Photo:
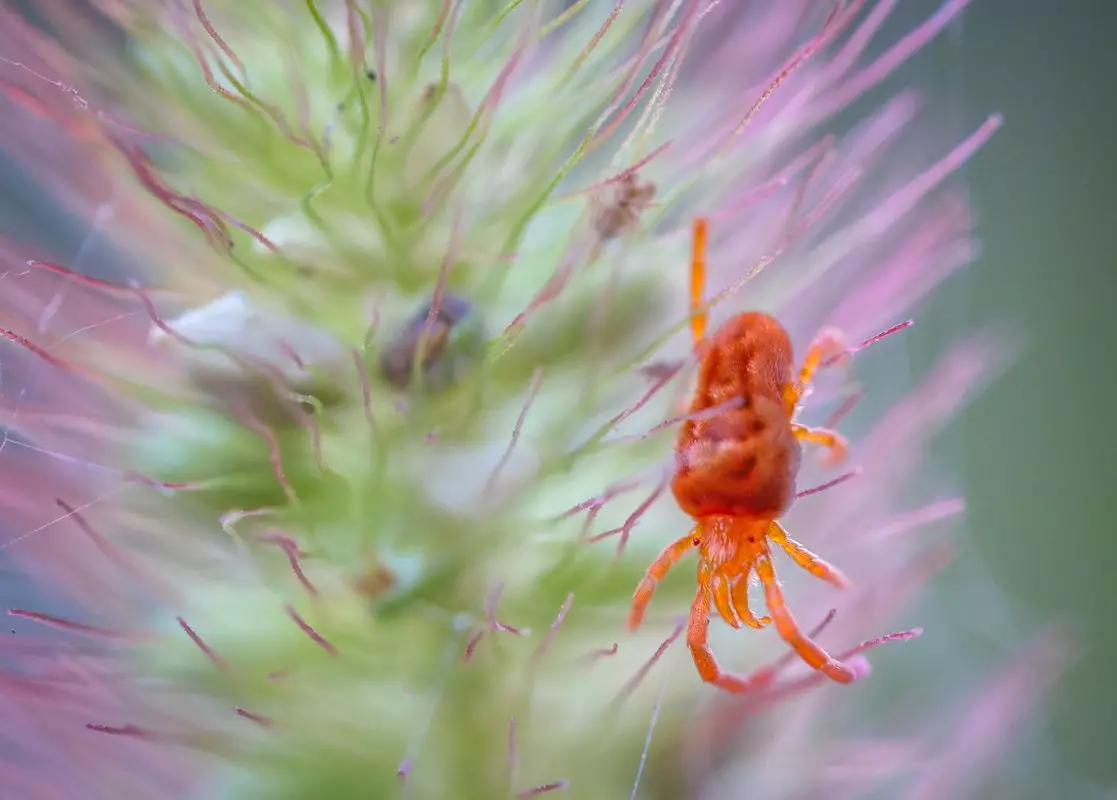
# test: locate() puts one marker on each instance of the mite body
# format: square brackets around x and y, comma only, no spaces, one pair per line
[737,460]
[744,460]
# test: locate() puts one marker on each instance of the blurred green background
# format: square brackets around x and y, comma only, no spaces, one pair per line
[1038,451]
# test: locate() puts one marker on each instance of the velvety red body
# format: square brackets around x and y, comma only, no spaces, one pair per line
[742,461]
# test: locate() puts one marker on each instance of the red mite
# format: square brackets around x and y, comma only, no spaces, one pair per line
[736,475]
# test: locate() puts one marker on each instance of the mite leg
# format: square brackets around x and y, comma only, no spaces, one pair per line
[697,279]
[741,603]
[827,345]
[823,437]
[806,559]
[696,638]
[789,631]
[723,599]
[656,572]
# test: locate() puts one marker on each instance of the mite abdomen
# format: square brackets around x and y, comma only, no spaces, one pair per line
[750,355]
[742,462]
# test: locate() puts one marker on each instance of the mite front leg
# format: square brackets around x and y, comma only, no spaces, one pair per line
[656,572]
[823,437]
[789,631]
[723,599]
[806,559]
[741,603]
[697,640]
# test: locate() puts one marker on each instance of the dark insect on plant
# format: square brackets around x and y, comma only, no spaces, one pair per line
[621,212]
[438,343]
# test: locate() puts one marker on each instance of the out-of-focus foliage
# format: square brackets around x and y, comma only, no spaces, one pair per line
[316,572]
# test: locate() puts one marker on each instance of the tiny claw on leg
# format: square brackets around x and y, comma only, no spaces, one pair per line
[834,442]
[656,572]
[789,631]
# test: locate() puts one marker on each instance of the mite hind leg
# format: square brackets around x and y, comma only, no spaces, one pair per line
[827,345]
[833,441]
[698,318]
[656,572]
[789,630]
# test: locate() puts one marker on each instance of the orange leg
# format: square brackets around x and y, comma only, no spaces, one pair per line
[723,599]
[823,437]
[696,639]
[828,344]
[697,280]
[741,603]
[656,572]
[789,631]
[739,571]
[806,559]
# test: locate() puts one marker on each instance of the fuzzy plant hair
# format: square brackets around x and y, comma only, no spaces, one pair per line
[339,445]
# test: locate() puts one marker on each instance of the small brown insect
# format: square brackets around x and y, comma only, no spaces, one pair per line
[450,341]
[621,213]
[374,581]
